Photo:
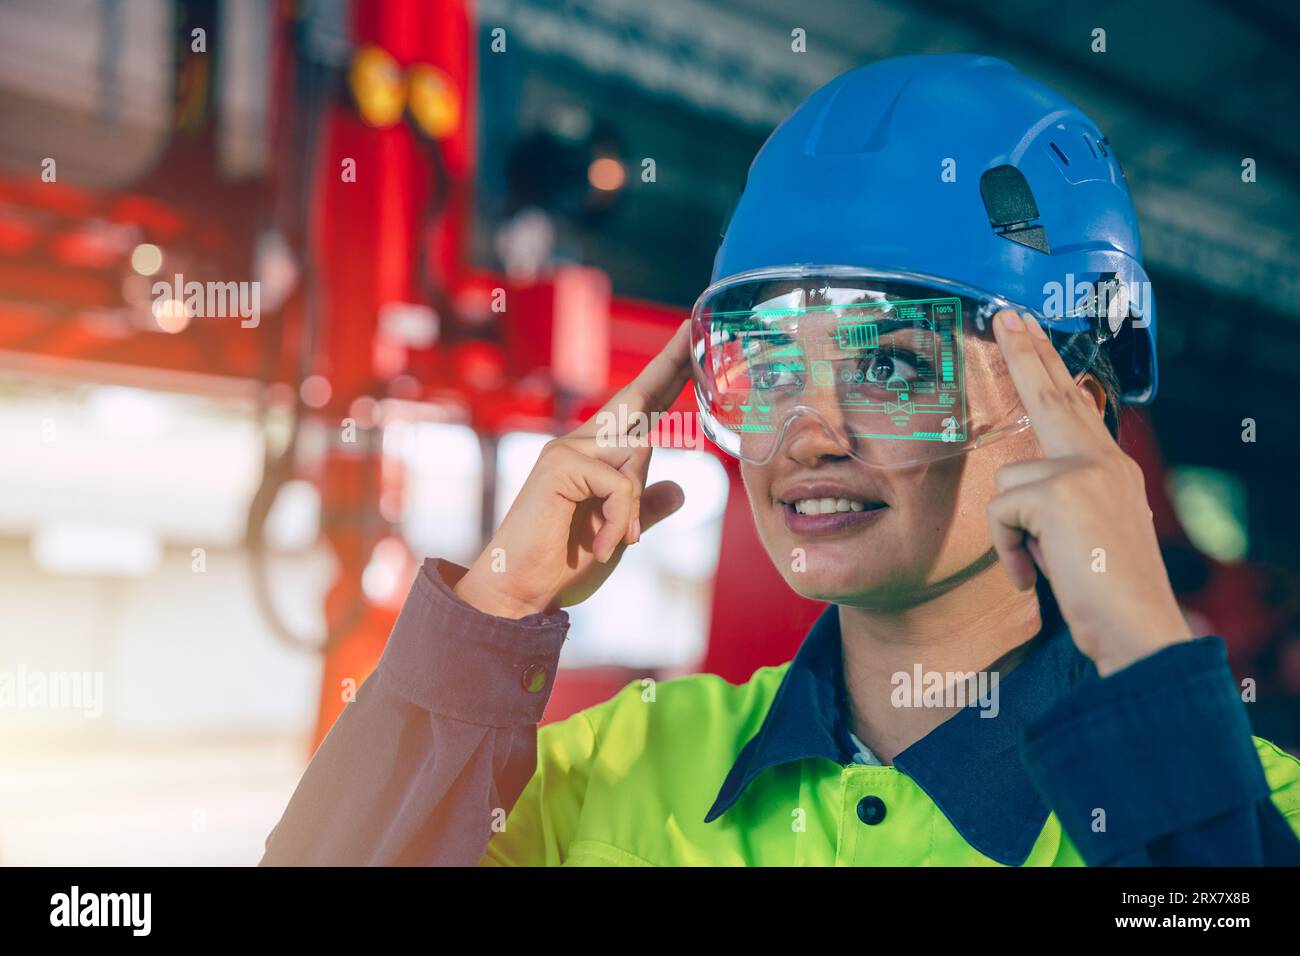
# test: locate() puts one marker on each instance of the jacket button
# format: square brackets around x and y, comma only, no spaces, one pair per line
[871,810]
[534,678]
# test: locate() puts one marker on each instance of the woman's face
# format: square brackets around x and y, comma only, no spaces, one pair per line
[895,536]
[909,532]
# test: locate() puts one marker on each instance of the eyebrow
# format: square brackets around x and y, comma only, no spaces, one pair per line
[774,341]
[890,326]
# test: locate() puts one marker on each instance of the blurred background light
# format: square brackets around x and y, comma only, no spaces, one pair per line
[116,550]
[384,578]
[130,414]
[1212,508]
[294,521]
[434,103]
[172,315]
[315,391]
[146,259]
[606,174]
[441,511]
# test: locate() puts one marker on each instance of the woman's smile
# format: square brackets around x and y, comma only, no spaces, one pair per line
[824,508]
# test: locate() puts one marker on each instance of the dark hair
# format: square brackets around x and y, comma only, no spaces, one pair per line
[1103,370]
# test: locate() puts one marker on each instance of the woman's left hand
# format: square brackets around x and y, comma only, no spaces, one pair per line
[1080,513]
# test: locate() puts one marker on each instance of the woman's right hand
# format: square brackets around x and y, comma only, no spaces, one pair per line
[583,503]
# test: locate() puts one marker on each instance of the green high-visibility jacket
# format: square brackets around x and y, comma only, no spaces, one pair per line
[438,761]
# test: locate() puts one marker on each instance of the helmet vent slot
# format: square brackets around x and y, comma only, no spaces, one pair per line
[1010,205]
[1057,150]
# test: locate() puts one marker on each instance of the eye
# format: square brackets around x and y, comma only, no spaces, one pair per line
[777,375]
[882,365]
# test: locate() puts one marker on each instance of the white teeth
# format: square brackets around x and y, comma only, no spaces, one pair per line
[826,506]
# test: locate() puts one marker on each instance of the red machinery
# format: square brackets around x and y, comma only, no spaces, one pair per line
[373,205]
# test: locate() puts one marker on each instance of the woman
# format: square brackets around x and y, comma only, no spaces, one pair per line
[925,410]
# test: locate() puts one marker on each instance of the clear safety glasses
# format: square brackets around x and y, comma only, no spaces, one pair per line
[897,369]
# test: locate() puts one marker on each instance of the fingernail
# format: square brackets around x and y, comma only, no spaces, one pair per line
[1010,321]
[636,529]
[1035,327]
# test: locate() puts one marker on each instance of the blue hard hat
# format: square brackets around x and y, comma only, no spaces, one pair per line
[960,167]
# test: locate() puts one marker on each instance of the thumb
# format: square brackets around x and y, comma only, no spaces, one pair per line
[659,501]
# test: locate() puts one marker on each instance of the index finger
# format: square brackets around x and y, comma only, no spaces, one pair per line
[1048,395]
[657,385]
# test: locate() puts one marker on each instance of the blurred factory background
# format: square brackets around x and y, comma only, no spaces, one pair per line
[468,222]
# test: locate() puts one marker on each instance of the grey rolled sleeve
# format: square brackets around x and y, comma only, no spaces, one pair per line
[441,737]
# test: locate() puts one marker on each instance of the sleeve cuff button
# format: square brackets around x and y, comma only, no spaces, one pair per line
[534,678]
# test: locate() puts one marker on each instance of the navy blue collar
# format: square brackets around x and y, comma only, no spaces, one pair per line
[969,765]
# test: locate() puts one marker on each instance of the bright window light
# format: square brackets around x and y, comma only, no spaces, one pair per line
[60,547]
[517,452]
[442,489]
[294,521]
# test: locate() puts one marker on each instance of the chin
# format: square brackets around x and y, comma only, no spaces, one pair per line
[843,581]
[887,579]
[830,592]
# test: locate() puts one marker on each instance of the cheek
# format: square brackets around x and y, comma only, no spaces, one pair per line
[976,491]
[970,525]
[758,486]
[768,522]
[944,523]
[753,481]
[970,535]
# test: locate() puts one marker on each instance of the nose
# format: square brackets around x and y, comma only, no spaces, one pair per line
[822,434]
[809,442]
